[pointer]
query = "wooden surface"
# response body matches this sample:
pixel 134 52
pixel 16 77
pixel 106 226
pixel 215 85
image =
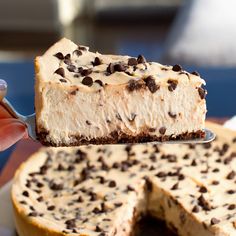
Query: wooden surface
pixel 26 147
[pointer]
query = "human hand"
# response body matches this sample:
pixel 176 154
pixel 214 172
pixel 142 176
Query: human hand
pixel 11 129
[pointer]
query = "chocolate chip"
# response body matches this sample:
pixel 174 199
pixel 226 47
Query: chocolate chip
pixel 97 61
pixel 203 203
pixel 98 229
pixel 141 59
pixel 172 84
pixel 162 130
pixel 134 85
pixel 59 55
pixel 96 210
pixel 110 68
pixel 203 189
pixel 25 193
pixel 129 188
pixel 71 68
pixel 231 191
pixel 202 93
pixel 87 81
pixel 33 214
pixel 55 186
pixel 175 186
pixel 82 48
pixel 172 115
pixel 195 73
pixel 176 68
pixel 132 61
pixel 231 207
pixel 215 182
pixel 151 84
pixel 161 174
pixel 80 199
pixel 77 52
pixel 195 209
pixel 194 163
pixel 231 175
pixel 68 56
pixel 63 80
pixel 88 122
pixel 93 196
pixel 70 224
pixel 119 67
pixel 86 72
pixel 40 199
pixel 99 82
pixel 60 71
pixel 112 184
pixel 214 221
pixel 51 208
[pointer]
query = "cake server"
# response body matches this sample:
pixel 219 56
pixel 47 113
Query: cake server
pixel 29 121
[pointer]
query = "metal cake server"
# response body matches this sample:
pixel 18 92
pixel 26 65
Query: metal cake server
pixel 29 121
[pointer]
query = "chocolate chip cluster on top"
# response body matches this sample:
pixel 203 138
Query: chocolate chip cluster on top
pixel 103 190
pixel 76 65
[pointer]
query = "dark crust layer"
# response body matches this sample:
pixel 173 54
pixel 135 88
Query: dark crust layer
pixel 118 138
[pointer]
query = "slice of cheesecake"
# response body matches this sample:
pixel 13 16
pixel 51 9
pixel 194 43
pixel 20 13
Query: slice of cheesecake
pixel 104 190
pixel 83 97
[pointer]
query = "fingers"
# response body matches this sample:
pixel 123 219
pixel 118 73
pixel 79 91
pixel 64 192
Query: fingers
pixel 11 131
pixel 3 89
pixel 4 113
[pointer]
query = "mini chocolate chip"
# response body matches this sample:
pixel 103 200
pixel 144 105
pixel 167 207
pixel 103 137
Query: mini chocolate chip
pixel 129 188
pixel 97 61
pixel 80 199
pixel 215 182
pixel 112 184
pixel 148 184
pixel 40 199
pixel 203 203
pixel 231 191
pixel 59 55
pixel 176 68
pixel 110 68
pixel 195 209
pixel 162 130
pixel 203 189
pixel 175 186
pixel 194 163
pixel 151 84
pixel 39 185
pixel 172 84
pixel 195 73
pixel 202 93
pixel 99 82
pixel 83 48
pixel 25 193
pixel 68 56
pixel 77 52
pixel 88 122
pixel 93 196
pixel 231 207
pixel 132 61
pixel 161 174
pixel 214 221
pixel 86 72
pixel 141 59
pixel 55 186
pixel 33 214
pixel 70 224
pixel 51 208
pixel 172 115
pixel 71 68
pixel 134 85
pixel 63 80
pixel 98 229
pixel 231 175
pixel 87 81
pixel 119 67
pixel 60 71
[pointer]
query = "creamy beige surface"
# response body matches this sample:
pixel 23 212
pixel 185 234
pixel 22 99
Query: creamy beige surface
pixel 68 110
pixel 201 170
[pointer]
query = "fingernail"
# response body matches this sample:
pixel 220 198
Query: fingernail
pixel 3 85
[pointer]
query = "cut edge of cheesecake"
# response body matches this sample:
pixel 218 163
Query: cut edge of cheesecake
pixel 129 123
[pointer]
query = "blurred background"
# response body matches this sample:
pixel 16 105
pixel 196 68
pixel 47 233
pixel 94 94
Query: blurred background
pixel 198 34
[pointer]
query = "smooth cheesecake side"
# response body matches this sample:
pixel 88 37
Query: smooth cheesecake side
pixel 83 97
pixel 104 190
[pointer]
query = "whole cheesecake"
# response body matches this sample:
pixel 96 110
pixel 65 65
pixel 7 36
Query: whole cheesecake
pixel 104 191
pixel 83 97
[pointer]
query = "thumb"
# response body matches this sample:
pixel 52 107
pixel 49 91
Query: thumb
pixel 11 131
